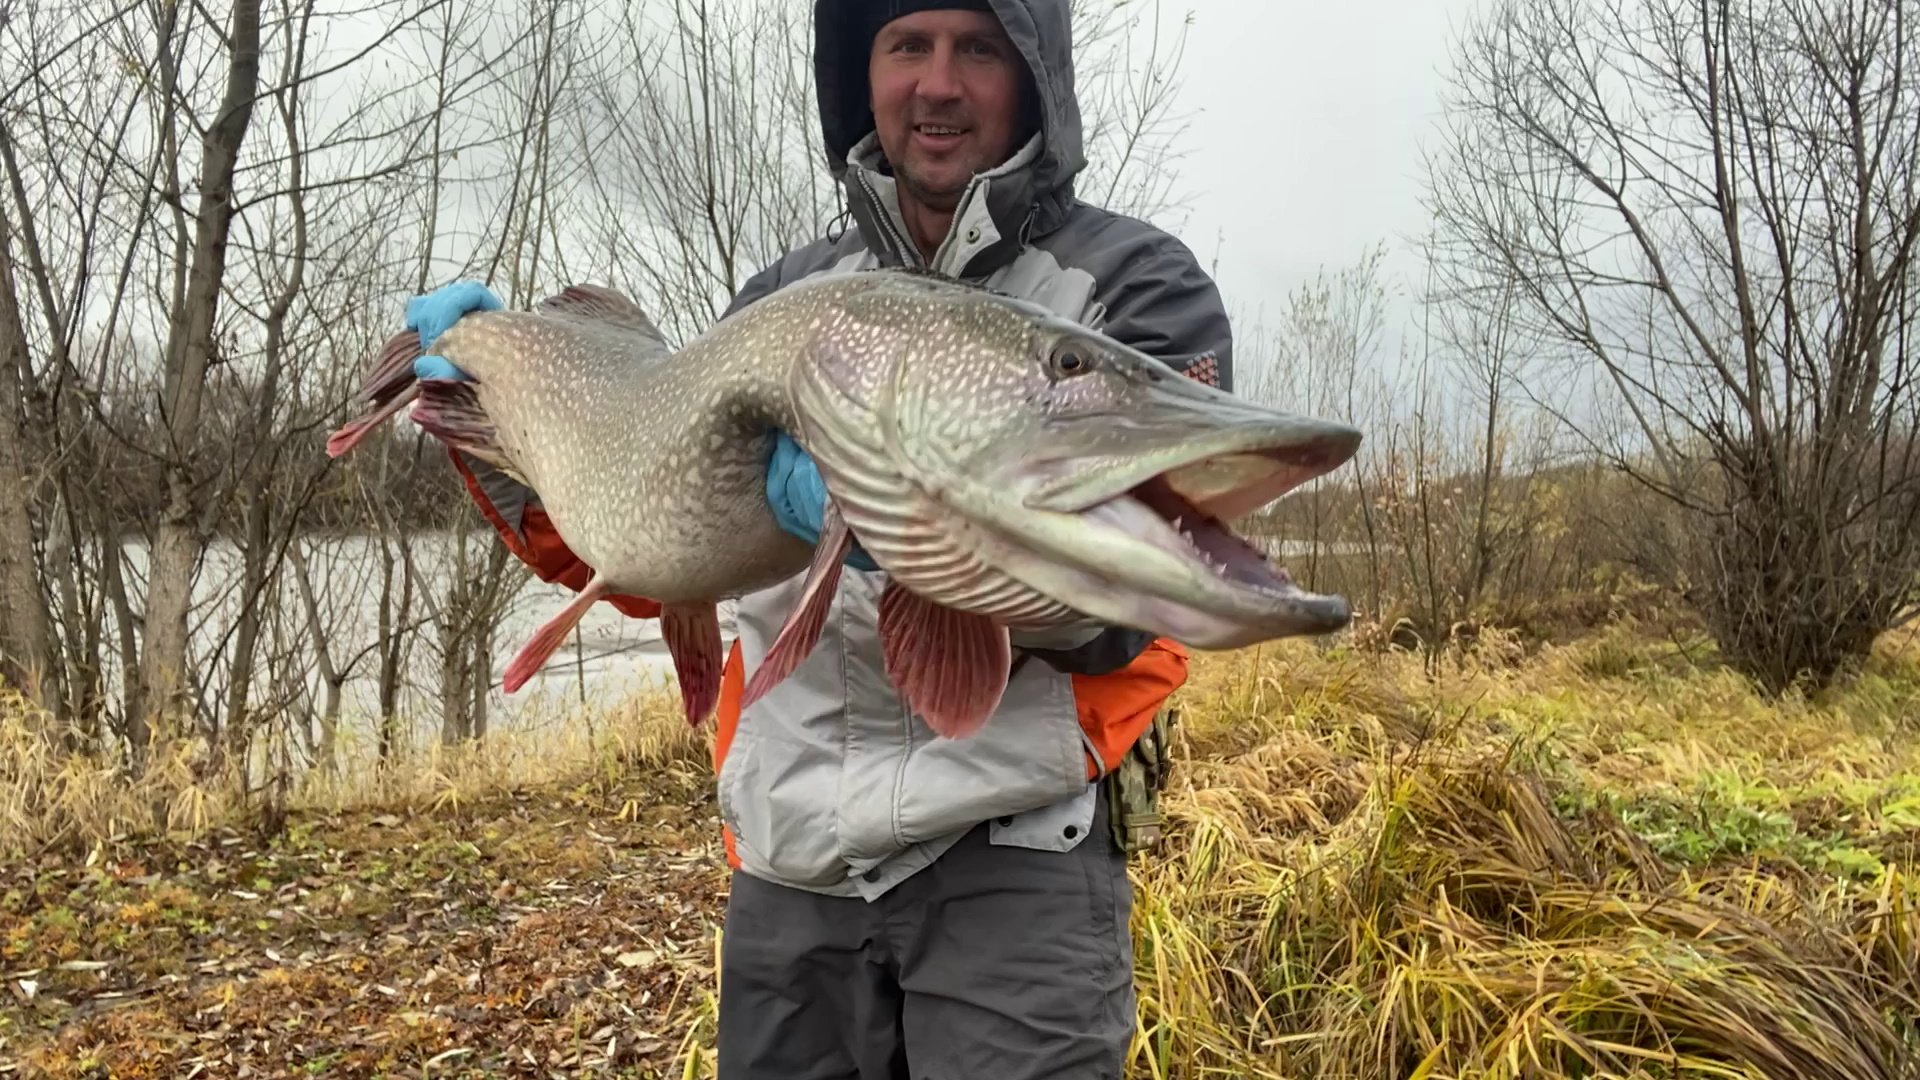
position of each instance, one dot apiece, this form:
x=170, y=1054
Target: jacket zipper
x=902, y=250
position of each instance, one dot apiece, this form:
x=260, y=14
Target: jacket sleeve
x=1161, y=301
x=1165, y=305
x=757, y=286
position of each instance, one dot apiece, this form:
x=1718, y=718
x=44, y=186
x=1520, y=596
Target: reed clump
x=1607, y=858
x=54, y=797
x=1372, y=872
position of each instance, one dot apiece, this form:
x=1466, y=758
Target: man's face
x=946, y=100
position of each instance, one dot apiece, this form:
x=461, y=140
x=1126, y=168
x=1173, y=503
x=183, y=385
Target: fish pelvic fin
x=605, y=305
x=692, y=633
x=801, y=632
x=539, y=648
x=387, y=386
x=950, y=666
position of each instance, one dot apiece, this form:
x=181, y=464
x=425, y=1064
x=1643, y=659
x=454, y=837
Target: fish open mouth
x=1197, y=534
x=1180, y=512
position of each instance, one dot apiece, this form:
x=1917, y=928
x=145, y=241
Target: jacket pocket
x=737, y=760
x=1031, y=756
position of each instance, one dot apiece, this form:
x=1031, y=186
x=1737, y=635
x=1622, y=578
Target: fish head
x=999, y=458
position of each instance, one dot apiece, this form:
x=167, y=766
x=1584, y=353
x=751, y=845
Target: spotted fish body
x=651, y=464
x=1008, y=469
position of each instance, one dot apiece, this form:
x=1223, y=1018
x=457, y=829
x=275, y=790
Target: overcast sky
x=1306, y=123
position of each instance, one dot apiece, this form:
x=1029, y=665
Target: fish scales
x=1006, y=468
x=684, y=438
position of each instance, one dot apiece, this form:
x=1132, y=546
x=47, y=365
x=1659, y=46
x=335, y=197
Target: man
x=904, y=905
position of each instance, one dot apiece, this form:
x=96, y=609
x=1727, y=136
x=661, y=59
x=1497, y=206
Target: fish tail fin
x=388, y=385
x=450, y=411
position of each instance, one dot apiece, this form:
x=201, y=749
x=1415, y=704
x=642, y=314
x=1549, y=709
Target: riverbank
x=1609, y=856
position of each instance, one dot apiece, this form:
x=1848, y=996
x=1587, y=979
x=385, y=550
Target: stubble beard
x=941, y=199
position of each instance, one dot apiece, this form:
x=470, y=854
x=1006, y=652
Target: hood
x=1042, y=32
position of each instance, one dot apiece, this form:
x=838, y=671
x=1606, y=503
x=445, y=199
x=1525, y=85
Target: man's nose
x=940, y=79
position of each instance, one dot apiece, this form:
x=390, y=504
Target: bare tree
x=259, y=556
x=1485, y=351
x=189, y=352
x=1710, y=211
x=699, y=136
x=1323, y=358
x=1129, y=95
x=26, y=657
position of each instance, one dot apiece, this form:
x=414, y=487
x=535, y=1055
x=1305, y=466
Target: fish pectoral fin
x=949, y=666
x=533, y=655
x=692, y=633
x=801, y=632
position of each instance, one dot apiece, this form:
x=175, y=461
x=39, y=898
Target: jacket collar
x=996, y=215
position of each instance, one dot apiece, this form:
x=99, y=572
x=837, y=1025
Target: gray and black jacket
x=828, y=783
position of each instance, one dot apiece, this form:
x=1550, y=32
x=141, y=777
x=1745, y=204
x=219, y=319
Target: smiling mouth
x=939, y=131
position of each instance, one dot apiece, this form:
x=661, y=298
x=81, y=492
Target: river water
x=610, y=657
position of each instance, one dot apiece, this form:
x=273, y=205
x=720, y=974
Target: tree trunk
x=393, y=637
x=189, y=349
x=26, y=658
x=331, y=677
x=113, y=581
x=260, y=565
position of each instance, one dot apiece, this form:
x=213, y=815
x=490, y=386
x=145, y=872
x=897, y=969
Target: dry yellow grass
x=53, y=799
x=1596, y=862
x=1610, y=859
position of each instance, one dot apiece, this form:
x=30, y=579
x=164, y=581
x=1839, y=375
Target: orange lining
x=726, y=717
x=1115, y=709
x=543, y=550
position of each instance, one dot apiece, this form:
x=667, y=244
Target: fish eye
x=1069, y=359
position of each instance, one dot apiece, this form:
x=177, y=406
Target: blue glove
x=438, y=367
x=799, y=497
x=433, y=313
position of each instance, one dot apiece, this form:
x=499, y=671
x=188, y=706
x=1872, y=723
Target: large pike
x=1007, y=468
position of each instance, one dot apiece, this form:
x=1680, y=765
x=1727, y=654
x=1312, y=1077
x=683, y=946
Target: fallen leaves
x=533, y=937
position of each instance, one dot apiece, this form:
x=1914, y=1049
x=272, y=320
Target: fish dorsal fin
x=915, y=273
x=949, y=666
x=602, y=304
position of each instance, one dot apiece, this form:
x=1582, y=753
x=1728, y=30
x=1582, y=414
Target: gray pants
x=999, y=963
